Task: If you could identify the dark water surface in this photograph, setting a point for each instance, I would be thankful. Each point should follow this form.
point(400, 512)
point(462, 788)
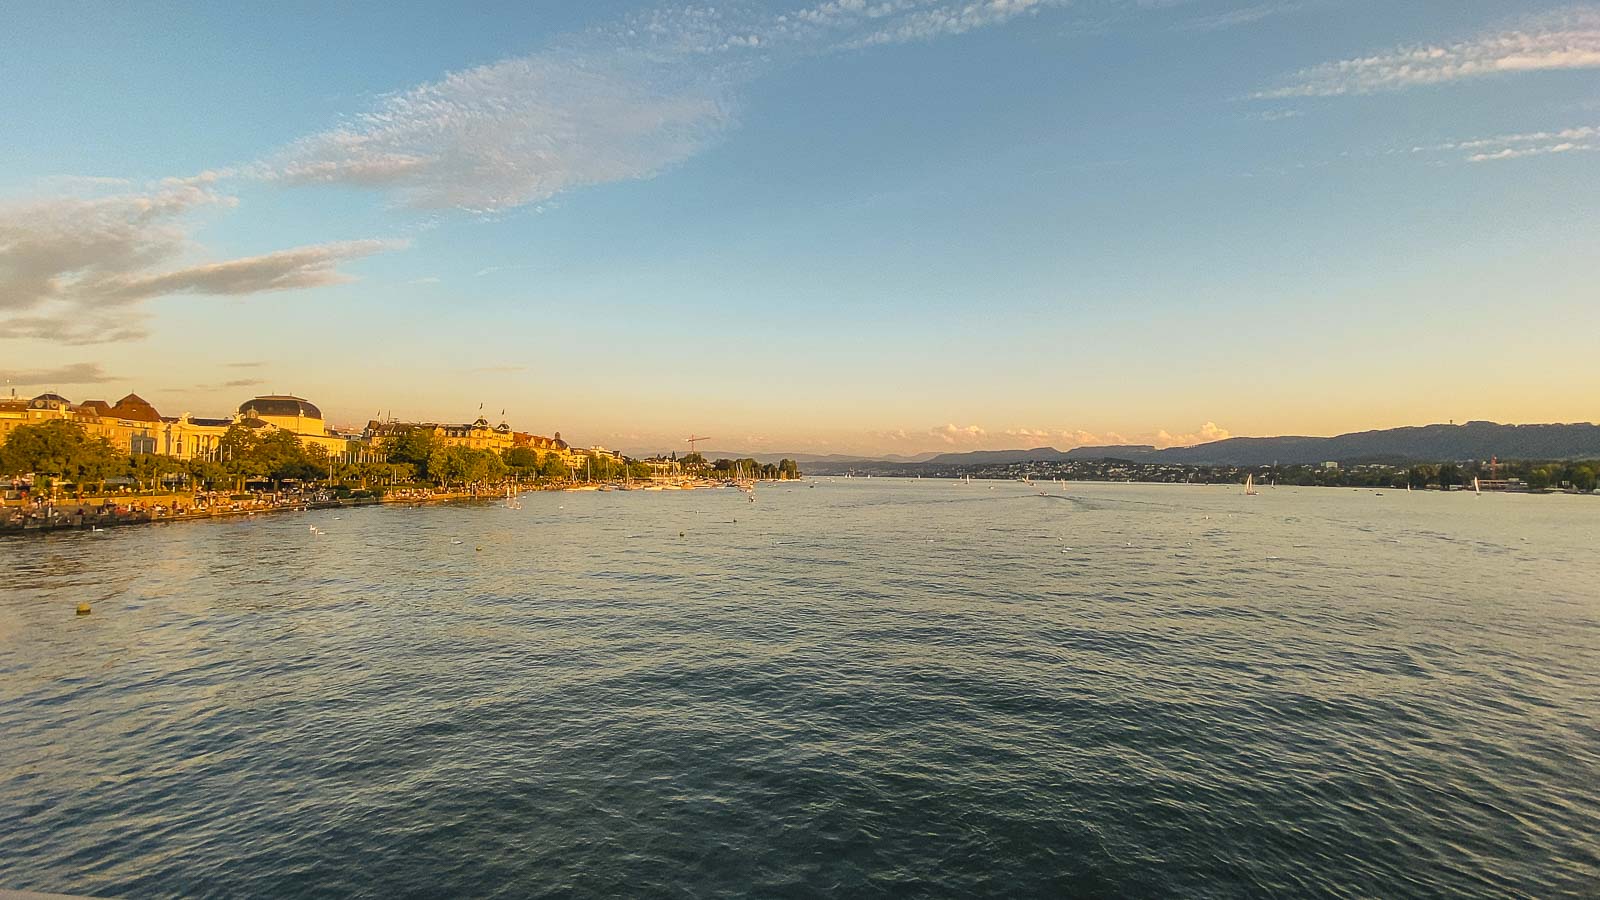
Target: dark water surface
point(866, 688)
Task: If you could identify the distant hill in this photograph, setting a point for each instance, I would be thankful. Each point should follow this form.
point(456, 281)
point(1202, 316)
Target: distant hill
point(998, 457)
point(1436, 443)
point(1116, 451)
point(804, 458)
point(1474, 440)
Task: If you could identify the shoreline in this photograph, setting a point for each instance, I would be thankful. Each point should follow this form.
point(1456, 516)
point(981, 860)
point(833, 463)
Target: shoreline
point(80, 521)
point(90, 522)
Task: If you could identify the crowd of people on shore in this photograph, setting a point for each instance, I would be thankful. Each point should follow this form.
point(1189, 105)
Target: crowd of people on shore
point(23, 510)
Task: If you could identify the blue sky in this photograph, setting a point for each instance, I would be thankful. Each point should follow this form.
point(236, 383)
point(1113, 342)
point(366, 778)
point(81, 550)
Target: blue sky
point(887, 226)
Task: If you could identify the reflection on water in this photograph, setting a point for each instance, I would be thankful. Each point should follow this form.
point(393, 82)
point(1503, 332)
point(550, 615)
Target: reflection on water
point(867, 687)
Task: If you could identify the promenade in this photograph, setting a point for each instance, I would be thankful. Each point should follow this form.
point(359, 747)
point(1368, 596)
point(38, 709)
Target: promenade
point(93, 513)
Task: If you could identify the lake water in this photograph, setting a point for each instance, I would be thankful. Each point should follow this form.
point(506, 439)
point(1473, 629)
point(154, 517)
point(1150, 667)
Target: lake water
point(861, 688)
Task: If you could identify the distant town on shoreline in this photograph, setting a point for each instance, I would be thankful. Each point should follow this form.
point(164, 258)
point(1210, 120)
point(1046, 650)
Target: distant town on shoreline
point(279, 439)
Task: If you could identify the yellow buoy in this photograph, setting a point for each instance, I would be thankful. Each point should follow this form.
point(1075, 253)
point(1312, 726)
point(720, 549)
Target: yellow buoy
point(83, 609)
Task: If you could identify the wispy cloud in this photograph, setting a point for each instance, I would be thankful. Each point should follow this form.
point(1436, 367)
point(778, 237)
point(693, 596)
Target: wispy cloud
point(611, 105)
point(1568, 40)
point(73, 373)
point(1244, 15)
point(74, 269)
point(1520, 145)
point(907, 21)
point(517, 132)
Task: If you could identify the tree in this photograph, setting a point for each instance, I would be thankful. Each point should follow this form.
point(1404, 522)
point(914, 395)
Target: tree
point(788, 468)
point(1583, 477)
point(149, 469)
point(62, 449)
point(554, 467)
point(1449, 476)
point(522, 460)
point(205, 472)
point(415, 448)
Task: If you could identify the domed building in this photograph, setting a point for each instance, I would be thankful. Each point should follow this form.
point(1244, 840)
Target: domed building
point(290, 413)
point(296, 415)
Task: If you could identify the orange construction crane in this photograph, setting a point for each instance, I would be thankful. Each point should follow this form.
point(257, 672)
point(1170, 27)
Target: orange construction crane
point(694, 439)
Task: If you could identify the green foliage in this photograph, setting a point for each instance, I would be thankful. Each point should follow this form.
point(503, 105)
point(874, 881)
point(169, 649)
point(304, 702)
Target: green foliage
point(62, 449)
point(149, 470)
point(464, 465)
point(1584, 477)
point(553, 466)
point(522, 460)
point(414, 448)
point(1449, 476)
point(207, 473)
point(270, 453)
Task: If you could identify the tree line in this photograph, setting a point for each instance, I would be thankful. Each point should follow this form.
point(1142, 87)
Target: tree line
point(65, 452)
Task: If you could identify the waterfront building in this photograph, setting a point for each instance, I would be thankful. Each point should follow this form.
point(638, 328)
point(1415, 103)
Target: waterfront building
point(296, 415)
point(131, 425)
point(478, 435)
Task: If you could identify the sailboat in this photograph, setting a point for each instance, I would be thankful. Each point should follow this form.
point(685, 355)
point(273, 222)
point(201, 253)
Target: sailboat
point(1250, 485)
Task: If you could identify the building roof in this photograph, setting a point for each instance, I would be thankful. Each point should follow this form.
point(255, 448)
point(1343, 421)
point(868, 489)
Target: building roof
point(134, 408)
point(280, 405)
point(98, 407)
point(49, 401)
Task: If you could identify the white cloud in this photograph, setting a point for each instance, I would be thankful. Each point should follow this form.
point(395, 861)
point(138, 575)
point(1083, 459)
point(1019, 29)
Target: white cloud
point(958, 434)
point(976, 437)
point(1520, 152)
point(1061, 439)
point(1569, 40)
point(74, 269)
point(518, 132)
point(1520, 145)
point(611, 105)
point(1208, 432)
point(1245, 15)
point(902, 25)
